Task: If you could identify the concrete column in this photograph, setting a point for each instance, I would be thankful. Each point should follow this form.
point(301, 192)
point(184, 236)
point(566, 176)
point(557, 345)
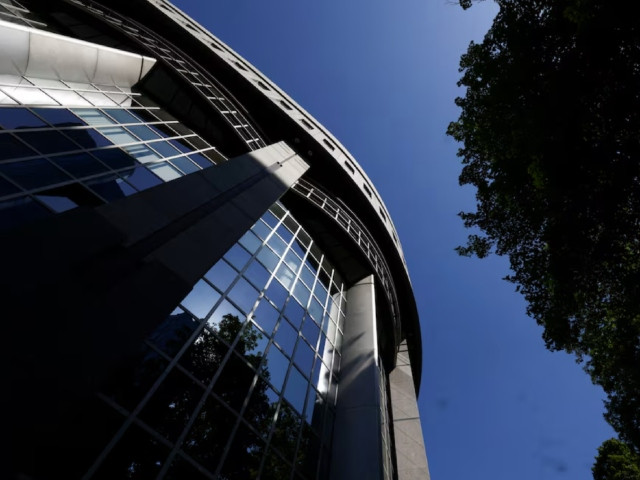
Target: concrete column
point(357, 444)
point(410, 451)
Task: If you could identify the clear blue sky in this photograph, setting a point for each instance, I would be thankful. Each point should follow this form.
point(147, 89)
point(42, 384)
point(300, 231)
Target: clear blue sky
point(381, 76)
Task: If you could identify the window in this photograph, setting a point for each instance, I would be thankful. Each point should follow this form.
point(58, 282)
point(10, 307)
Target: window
point(286, 105)
point(328, 144)
point(350, 166)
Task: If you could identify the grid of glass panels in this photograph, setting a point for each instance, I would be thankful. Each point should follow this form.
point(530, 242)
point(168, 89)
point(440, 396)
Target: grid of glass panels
point(200, 78)
point(240, 381)
point(104, 145)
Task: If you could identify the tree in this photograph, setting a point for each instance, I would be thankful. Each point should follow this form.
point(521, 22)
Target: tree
point(616, 461)
point(549, 129)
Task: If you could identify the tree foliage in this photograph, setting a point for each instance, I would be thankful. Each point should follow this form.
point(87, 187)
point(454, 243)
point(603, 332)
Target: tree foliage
point(616, 461)
point(549, 127)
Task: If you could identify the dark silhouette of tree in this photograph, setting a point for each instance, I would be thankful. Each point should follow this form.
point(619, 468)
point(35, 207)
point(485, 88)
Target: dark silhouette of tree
point(616, 461)
point(549, 126)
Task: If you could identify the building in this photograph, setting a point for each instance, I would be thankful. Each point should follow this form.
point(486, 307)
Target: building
point(199, 281)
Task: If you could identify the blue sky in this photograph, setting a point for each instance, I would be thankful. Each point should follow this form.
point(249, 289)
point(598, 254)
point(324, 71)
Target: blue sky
point(381, 76)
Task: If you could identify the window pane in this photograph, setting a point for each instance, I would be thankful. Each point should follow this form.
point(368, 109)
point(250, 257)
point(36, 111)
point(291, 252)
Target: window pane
point(304, 357)
point(225, 308)
point(296, 389)
point(165, 171)
point(237, 256)
point(257, 274)
point(92, 116)
point(243, 295)
point(221, 275)
point(200, 160)
point(277, 294)
point(183, 164)
point(122, 115)
point(18, 118)
point(286, 336)
point(201, 299)
point(7, 188)
point(34, 173)
point(268, 258)
point(143, 132)
point(266, 316)
point(118, 135)
point(11, 148)
point(277, 244)
point(294, 311)
point(261, 229)
point(285, 275)
point(48, 141)
point(141, 178)
point(87, 137)
point(277, 365)
point(166, 150)
point(250, 242)
point(114, 158)
point(301, 293)
point(310, 331)
point(58, 116)
point(79, 164)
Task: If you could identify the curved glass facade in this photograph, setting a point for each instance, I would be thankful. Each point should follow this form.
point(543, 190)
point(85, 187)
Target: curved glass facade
point(241, 379)
point(199, 325)
point(55, 159)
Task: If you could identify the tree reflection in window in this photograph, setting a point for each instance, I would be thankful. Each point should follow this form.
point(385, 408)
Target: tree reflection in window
point(174, 403)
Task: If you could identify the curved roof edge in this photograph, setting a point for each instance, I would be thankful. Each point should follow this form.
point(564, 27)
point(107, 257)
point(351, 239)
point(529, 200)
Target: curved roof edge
point(290, 108)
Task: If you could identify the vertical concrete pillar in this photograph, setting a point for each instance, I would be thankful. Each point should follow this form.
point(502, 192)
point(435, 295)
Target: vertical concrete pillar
point(410, 451)
point(357, 446)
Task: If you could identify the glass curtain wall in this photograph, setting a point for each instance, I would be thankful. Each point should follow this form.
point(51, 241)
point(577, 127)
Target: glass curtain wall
point(240, 381)
point(54, 158)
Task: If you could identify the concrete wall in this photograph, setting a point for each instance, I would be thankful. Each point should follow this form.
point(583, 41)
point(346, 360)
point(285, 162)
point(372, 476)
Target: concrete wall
point(410, 450)
point(357, 443)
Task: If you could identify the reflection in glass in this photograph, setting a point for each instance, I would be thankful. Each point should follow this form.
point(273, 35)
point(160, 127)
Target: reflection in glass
point(240, 381)
point(34, 173)
point(11, 147)
point(11, 118)
point(47, 141)
point(237, 256)
point(201, 299)
point(243, 294)
point(250, 242)
point(221, 275)
point(296, 389)
point(286, 336)
point(266, 316)
point(67, 197)
point(79, 164)
point(279, 364)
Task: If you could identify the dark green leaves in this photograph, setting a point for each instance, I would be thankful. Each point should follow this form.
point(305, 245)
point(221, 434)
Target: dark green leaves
point(549, 137)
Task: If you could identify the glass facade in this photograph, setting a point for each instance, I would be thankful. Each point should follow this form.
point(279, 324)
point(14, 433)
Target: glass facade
point(241, 380)
point(103, 145)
